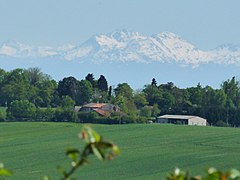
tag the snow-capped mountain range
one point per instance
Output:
(127, 46)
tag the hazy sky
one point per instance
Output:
(205, 23)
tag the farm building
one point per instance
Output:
(182, 119)
(102, 109)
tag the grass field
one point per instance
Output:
(148, 151)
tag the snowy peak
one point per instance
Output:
(20, 50)
(173, 41)
(118, 39)
(123, 35)
(229, 47)
(132, 46)
(168, 36)
(15, 49)
(125, 46)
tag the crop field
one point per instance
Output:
(148, 151)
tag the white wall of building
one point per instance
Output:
(185, 119)
(197, 121)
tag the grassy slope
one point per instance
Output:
(148, 151)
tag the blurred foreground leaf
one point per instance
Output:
(95, 145)
(212, 174)
(4, 171)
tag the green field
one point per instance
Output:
(148, 151)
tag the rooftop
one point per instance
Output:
(177, 116)
(102, 112)
(94, 105)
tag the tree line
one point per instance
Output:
(29, 94)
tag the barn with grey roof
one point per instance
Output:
(182, 119)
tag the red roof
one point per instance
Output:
(102, 112)
(94, 105)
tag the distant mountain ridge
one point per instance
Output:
(128, 46)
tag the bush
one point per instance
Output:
(87, 117)
(142, 119)
(22, 110)
(221, 123)
(45, 114)
(93, 117)
(126, 119)
(65, 115)
(2, 116)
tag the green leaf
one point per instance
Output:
(234, 173)
(5, 172)
(105, 145)
(61, 170)
(45, 178)
(110, 149)
(73, 154)
(115, 149)
(97, 152)
(89, 135)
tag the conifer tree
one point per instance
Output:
(102, 83)
(154, 82)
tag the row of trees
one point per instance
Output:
(34, 88)
(41, 90)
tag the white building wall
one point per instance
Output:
(197, 121)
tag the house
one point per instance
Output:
(182, 119)
(103, 109)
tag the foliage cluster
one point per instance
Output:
(212, 174)
(3, 171)
(49, 100)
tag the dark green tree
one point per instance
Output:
(124, 90)
(154, 82)
(167, 102)
(67, 102)
(122, 103)
(3, 75)
(69, 86)
(45, 93)
(196, 95)
(125, 93)
(146, 111)
(65, 113)
(153, 94)
(140, 100)
(85, 92)
(110, 92)
(232, 90)
(102, 84)
(91, 79)
(167, 87)
(35, 75)
(155, 111)
(15, 86)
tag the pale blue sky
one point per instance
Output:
(205, 23)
